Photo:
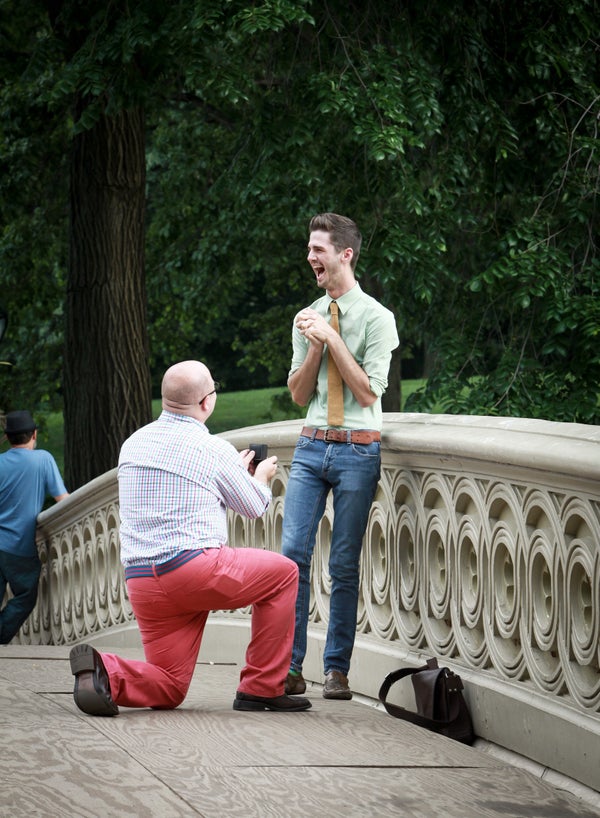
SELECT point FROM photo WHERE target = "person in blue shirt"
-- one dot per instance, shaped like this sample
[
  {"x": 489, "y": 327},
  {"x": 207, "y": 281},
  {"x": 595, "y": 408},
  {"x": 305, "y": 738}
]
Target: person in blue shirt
[{"x": 27, "y": 477}]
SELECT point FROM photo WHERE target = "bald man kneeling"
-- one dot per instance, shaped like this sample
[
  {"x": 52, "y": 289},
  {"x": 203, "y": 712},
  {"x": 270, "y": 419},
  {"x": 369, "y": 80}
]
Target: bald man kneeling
[{"x": 176, "y": 482}]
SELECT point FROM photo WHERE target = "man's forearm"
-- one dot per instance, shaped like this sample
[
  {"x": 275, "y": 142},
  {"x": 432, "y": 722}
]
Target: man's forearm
[{"x": 302, "y": 383}]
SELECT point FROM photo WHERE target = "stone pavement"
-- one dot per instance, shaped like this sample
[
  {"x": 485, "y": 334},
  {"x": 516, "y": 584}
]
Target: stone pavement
[{"x": 205, "y": 759}]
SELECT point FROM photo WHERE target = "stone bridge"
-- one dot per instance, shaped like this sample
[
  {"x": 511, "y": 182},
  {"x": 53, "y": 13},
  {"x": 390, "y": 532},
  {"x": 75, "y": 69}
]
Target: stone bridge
[{"x": 482, "y": 549}]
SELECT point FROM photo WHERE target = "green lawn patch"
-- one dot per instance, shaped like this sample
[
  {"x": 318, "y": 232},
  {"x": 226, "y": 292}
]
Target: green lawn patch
[{"x": 233, "y": 410}]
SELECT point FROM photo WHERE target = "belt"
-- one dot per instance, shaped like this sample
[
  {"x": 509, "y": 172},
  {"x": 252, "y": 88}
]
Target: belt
[
  {"x": 342, "y": 435},
  {"x": 151, "y": 569}
]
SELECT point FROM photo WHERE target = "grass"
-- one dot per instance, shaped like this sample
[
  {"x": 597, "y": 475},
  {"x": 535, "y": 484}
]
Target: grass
[{"x": 233, "y": 410}]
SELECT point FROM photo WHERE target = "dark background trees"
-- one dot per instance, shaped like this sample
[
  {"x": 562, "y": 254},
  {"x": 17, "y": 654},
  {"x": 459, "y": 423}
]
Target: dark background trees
[{"x": 460, "y": 136}]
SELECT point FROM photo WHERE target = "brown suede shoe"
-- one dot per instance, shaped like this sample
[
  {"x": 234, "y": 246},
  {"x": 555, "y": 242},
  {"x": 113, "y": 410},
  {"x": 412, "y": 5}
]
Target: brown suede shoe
[
  {"x": 295, "y": 684},
  {"x": 336, "y": 686}
]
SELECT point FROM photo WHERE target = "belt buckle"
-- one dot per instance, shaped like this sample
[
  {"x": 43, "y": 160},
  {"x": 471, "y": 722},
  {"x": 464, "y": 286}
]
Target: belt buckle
[{"x": 338, "y": 436}]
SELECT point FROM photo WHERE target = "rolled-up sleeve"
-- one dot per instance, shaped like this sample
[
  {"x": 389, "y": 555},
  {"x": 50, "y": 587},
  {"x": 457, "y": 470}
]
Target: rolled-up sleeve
[{"x": 381, "y": 339}]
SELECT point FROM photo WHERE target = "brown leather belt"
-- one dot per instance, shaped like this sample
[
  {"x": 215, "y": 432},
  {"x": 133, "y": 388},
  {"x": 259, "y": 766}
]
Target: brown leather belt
[{"x": 342, "y": 435}]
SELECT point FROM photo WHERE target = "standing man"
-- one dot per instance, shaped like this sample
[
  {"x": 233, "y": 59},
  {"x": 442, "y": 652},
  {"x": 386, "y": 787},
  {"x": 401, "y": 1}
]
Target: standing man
[
  {"x": 176, "y": 482},
  {"x": 340, "y": 374},
  {"x": 27, "y": 477}
]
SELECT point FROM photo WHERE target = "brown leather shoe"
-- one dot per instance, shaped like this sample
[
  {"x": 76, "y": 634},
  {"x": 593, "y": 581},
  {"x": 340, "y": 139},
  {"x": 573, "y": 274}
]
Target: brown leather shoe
[
  {"x": 280, "y": 704},
  {"x": 92, "y": 685},
  {"x": 295, "y": 684},
  {"x": 336, "y": 686}
]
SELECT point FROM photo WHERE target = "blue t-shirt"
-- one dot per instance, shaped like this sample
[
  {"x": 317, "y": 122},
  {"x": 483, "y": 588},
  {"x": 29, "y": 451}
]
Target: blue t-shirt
[{"x": 27, "y": 476}]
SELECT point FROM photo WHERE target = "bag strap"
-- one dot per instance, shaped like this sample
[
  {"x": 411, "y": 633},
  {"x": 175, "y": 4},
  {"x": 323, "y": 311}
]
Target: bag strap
[
  {"x": 396, "y": 675},
  {"x": 409, "y": 715}
]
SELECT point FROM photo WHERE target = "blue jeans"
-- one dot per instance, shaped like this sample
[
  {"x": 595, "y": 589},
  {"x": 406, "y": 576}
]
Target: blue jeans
[
  {"x": 22, "y": 575},
  {"x": 352, "y": 472}
]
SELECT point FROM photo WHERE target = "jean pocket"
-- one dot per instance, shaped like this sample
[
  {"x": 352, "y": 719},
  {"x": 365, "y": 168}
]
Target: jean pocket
[
  {"x": 303, "y": 442},
  {"x": 371, "y": 450}
]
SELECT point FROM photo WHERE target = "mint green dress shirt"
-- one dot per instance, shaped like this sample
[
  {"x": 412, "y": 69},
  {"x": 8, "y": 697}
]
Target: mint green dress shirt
[{"x": 369, "y": 331}]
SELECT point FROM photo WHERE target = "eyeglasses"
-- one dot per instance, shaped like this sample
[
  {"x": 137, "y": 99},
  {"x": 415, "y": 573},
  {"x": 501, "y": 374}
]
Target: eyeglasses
[{"x": 214, "y": 391}]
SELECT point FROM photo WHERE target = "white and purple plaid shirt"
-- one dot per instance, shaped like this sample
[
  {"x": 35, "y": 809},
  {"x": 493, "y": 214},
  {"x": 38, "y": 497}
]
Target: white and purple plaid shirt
[{"x": 176, "y": 482}]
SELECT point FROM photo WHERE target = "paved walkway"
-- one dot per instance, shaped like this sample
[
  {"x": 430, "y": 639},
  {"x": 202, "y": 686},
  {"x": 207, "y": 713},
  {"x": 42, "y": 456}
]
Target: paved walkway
[{"x": 205, "y": 759}]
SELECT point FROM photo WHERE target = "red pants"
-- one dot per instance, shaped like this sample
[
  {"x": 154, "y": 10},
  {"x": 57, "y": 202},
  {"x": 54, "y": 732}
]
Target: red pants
[{"x": 172, "y": 609}]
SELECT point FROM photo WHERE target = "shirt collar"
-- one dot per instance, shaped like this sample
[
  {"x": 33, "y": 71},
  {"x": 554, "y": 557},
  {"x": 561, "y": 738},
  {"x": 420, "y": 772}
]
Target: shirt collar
[
  {"x": 174, "y": 417},
  {"x": 345, "y": 301}
]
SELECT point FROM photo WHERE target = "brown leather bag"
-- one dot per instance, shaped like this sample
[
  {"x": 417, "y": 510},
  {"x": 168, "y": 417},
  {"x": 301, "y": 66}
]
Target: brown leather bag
[{"x": 440, "y": 703}]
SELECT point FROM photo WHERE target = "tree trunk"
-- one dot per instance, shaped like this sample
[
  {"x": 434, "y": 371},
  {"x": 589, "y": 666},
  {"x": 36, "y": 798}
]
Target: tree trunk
[{"x": 106, "y": 367}]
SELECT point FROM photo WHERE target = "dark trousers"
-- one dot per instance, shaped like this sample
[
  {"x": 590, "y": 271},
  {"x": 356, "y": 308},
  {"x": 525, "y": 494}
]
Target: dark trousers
[{"x": 22, "y": 575}]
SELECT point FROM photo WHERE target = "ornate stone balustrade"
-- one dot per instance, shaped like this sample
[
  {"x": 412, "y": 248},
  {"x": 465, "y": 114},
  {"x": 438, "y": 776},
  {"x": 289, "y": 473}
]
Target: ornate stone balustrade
[
  {"x": 483, "y": 549},
  {"x": 82, "y": 587}
]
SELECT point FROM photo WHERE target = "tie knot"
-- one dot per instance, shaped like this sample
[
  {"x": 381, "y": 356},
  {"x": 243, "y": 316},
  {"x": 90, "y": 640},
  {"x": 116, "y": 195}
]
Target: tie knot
[{"x": 333, "y": 308}]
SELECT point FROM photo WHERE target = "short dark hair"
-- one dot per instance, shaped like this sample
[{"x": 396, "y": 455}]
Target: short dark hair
[
  {"x": 342, "y": 231},
  {"x": 19, "y": 438}
]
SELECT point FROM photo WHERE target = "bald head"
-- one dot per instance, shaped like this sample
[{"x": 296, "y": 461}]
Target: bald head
[{"x": 184, "y": 385}]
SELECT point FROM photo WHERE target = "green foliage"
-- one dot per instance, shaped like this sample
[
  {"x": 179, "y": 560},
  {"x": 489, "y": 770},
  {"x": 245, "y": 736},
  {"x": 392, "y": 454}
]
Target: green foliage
[
  {"x": 462, "y": 139},
  {"x": 33, "y": 185},
  {"x": 514, "y": 332},
  {"x": 271, "y": 15}
]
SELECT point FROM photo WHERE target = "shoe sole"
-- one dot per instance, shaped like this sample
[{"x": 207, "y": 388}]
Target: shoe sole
[
  {"x": 81, "y": 659},
  {"x": 243, "y": 704},
  {"x": 345, "y": 695},
  {"x": 85, "y": 694}
]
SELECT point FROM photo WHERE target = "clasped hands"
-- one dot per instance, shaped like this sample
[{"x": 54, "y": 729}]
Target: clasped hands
[{"x": 313, "y": 326}]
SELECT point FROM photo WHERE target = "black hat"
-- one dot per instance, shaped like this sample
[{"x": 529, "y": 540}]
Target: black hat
[{"x": 19, "y": 422}]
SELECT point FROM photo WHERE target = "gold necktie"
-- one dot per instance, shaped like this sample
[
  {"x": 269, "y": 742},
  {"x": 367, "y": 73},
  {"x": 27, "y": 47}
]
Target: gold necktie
[{"x": 335, "y": 385}]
